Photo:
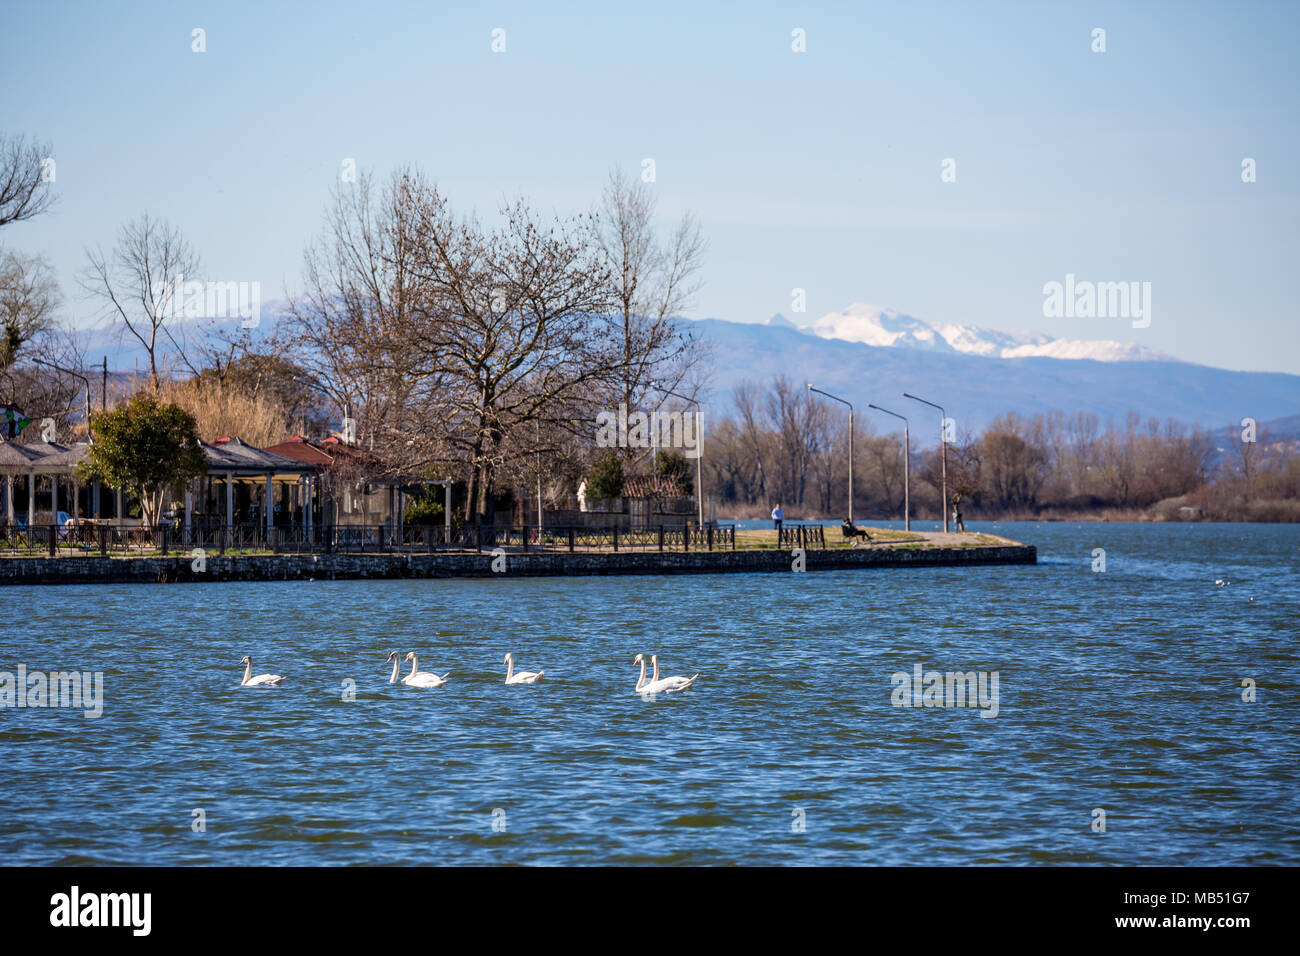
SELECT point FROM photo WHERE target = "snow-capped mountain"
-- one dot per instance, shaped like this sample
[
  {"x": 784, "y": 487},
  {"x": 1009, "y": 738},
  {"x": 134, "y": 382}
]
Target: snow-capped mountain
[
  {"x": 878, "y": 354},
  {"x": 873, "y": 325},
  {"x": 979, "y": 374}
]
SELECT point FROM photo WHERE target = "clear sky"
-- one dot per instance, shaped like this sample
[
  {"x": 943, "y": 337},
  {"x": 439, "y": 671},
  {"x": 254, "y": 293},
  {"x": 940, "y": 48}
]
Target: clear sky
[{"x": 817, "y": 170}]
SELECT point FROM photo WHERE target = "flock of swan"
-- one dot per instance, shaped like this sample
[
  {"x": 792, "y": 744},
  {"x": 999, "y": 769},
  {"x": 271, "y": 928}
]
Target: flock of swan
[
  {"x": 428, "y": 679},
  {"x": 417, "y": 677}
]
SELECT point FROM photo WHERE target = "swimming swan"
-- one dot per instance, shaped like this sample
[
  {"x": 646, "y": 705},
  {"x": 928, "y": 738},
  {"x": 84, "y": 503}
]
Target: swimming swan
[
  {"x": 261, "y": 680},
  {"x": 665, "y": 686},
  {"x": 419, "y": 678},
  {"x": 523, "y": 677}
]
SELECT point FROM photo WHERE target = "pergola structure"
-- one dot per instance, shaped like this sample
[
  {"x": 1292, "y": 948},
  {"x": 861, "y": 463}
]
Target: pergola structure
[
  {"x": 35, "y": 460},
  {"x": 348, "y": 465},
  {"x": 233, "y": 462},
  {"x": 230, "y": 462}
]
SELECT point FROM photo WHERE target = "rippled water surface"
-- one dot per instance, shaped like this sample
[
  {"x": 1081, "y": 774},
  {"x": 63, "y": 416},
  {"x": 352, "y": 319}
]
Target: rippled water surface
[{"x": 1119, "y": 690}]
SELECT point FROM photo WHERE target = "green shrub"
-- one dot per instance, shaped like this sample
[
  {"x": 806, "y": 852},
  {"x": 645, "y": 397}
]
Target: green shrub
[
  {"x": 424, "y": 511},
  {"x": 606, "y": 477}
]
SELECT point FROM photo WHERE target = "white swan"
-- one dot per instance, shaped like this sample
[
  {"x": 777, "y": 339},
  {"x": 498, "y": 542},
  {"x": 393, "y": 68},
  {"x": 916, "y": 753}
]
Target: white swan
[
  {"x": 523, "y": 677},
  {"x": 665, "y": 686},
  {"x": 640, "y": 681},
  {"x": 392, "y": 656},
  {"x": 419, "y": 678},
  {"x": 261, "y": 680}
]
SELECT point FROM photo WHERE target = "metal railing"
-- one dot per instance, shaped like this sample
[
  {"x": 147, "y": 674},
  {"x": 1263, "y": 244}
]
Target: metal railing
[
  {"x": 165, "y": 539},
  {"x": 590, "y": 538},
  {"x": 801, "y": 536}
]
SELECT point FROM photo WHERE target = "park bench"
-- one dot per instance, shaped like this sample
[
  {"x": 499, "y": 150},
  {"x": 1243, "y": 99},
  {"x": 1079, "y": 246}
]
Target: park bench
[{"x": 853, "y": 531}]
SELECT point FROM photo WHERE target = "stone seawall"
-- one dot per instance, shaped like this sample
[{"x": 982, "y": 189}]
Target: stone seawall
[{"x": 301, "y": 567}]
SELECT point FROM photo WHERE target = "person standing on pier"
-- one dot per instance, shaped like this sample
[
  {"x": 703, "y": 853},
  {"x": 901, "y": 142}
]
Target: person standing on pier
[{"x": 777, "y": 516}]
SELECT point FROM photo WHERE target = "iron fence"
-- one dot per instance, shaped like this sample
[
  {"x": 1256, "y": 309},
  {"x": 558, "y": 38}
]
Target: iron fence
[
  {"x": 801, "y": 536},
  {"x": 102, "y": 538}
]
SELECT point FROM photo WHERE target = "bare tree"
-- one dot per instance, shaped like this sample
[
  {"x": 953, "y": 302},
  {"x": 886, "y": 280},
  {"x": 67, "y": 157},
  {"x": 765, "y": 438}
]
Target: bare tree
[
  {"x": 1250, "y": 456},
  {"x": 48, "y": 390},
  {"x": 512, "y": 316},
  {"x": 140, "y": 282},
  {"x": 799, "y": 422},
  {"x": 884, "y": 472},
  {"x": 24, "y": 189},
  {"x": 354, "y": 330},
  {"x": 748, "y": 398},
  {"x": 29, "y": 296},
  {"x": 652, "y": 281}
]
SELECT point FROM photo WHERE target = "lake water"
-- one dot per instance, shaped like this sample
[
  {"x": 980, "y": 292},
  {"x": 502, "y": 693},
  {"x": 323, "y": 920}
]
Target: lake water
[{"x": 1118, "y": 690}]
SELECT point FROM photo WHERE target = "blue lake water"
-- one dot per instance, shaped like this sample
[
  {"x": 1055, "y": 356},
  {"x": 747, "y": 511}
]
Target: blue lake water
[{"x": 1118, "y": 690}]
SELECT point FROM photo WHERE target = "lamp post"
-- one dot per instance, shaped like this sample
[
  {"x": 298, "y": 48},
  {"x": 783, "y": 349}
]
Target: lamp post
[
  {"x": 943, "y": 445},
  {"x": 907, "y": 467},
  {"x": 843, "y": 402},
  {"x": 699, "y": 441}
]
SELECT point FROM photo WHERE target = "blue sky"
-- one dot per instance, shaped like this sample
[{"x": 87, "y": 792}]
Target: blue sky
[{"x": 818, "y": 170}]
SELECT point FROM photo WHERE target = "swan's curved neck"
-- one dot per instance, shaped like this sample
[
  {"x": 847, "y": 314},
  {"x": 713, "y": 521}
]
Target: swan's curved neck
[
  {"x": 248, "y": 670},
  {"x": 641, "y": 679},
  {"x": 415, "y": 665},
  {"x": 510, "y": 667},
  {"x": 396, "y": 664},
  {"x": 655, "y": 661}
]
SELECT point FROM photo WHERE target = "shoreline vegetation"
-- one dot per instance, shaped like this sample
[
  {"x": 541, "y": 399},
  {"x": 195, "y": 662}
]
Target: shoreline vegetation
[
  {"x": 1276, "y": 512},
  {"x": 782, "y": 445}
]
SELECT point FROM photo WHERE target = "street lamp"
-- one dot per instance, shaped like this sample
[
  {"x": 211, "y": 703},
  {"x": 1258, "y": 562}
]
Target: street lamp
[
  {"x": 699, "y": 441},
  {"x": 943, "y": 445},
  {"x": 907, "y": 467},
  {"x": 843, "y": 402}
]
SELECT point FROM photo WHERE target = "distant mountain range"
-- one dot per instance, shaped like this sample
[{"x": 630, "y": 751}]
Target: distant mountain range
[
  {"x": 872, "y": 325},
  {"x": 867, "y": 354}
]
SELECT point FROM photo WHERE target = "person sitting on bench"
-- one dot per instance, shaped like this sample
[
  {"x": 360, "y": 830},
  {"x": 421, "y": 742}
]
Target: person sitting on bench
[{"x": 852, "y": 531}]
